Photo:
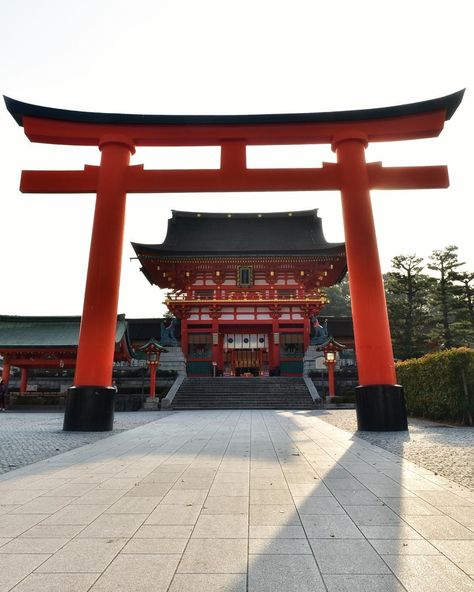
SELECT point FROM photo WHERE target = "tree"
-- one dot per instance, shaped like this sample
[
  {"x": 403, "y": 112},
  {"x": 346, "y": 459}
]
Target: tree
[
  {"x": 407, "y": 289},
  {"x": 445, "y": 300},
  {"x": 466, "y": 294},
  {"x": 339, "y": 300}
]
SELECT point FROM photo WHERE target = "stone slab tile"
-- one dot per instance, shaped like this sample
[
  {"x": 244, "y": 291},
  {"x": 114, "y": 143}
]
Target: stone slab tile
[
  {"x": 16, "y": 567},
  {"x": 359, "y": 497},
  {"x": 226, "y": 505},
  {"x": 279, "y": 546},
  {"x": 424, "y": 574},
  {"x": 460, "y": 514},
  {"x": 234, "y": 489},
  {"x": 44, "y": 505},
  {"x": 266, "y": 515},
  {"x": 114, "y": 526},
  {"x": 83, "y": 556},
  {"x": 12, "y": 525},
  {"x": 223, "y": 526},
  {"x": 284, "y": 573},
  {"x": 209, "y": 583},
  {"x": 327, "y": 527},
  {"x": 275, "y": 532},
  {"x": 32, "y": 545},
  {"x": 134, "y": 505},
  {"x": 155, "y": 546},
  {"x": 361, "y": 583},
  {"x": 390, "y": 532},
  {"x": 214, "y": 556},
  {"x": 160, "y": 531},
  {"x": 373, "y": 516},
  {"x": 269, "y": 497},
  {"x": 460, "y": 552},
  {"x": 148, "y": 490},
  {"x": 403, "y": 547},
  {"x": 439, "y": 527},
  {"x": 147, "y": 573},
  {"x": 315, "y": 489},
  {"x": 62, "y": 582},
  {"x": 53, "y": 531},
  {"x": 184, "y": 496},
  {"x": 347, "y": 557},
  {"x": 410, "y": 506},
  {"x": 179, "y": 514},
  {"x": 318, "y": 505}
]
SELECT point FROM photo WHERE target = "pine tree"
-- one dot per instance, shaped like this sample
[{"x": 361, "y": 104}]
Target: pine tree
[
  {"x": 406, "y": 290},
  {"x": 445, "y": 301}
]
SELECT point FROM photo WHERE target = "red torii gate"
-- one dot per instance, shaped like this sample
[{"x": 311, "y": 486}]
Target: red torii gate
[{"x": 380, "y": 401}]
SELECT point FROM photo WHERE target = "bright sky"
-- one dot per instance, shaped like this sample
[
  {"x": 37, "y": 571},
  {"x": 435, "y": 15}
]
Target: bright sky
[{"x": 210, "y": 57}]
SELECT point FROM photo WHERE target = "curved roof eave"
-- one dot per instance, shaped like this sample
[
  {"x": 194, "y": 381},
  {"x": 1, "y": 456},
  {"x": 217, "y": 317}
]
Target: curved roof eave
[{"x": 448, "y": 103}]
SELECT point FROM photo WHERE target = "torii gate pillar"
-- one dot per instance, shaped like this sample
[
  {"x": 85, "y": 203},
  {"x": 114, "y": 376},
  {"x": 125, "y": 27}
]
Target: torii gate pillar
[{"x": 380, "y": 402}]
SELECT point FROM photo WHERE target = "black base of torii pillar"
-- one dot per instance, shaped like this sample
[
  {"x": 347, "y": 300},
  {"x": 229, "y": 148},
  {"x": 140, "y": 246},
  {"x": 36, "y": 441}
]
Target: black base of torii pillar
[{"x": 381, "y": 408}]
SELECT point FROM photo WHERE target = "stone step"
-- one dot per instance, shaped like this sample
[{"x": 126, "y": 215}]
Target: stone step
[{"x": 244, "y": 393}]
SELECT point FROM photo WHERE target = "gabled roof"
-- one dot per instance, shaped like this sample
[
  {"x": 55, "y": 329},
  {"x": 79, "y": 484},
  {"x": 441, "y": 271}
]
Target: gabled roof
[
  {"x": 210, "y": 234},
  {"x": 46, "y": 332}
]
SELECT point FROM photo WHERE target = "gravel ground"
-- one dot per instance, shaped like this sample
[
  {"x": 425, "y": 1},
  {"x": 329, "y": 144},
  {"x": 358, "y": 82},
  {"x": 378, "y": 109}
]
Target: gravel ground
[
  {"x": 444, "y": 449},
  {"x": 26, "y": 438}
]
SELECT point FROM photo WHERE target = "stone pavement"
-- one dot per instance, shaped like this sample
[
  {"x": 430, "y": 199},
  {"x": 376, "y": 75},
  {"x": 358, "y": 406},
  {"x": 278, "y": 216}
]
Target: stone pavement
[
  {"x": 447, "y": 450},
  {"x": 26, "y": 438},
  {"x": 232, "y": 501}
]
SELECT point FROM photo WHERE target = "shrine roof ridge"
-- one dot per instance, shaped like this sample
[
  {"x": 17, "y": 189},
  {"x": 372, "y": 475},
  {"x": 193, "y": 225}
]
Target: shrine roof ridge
[
  {"x": 448, "y": 103},
  {"x": 220, "y": 234},
  {"x": 245, "y": 215}
]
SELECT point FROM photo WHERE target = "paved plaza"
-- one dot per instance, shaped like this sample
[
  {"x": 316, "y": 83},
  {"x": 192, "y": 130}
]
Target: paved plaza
[{"x": 232, "y": 501}]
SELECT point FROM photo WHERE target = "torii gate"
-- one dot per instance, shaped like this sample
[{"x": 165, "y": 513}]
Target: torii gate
[{"x": 380, "y": 401}]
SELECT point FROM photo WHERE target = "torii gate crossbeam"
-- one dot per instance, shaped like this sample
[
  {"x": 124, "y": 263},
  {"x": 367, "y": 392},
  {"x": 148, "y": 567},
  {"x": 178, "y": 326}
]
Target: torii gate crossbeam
[{"x": 380, "y": 401}]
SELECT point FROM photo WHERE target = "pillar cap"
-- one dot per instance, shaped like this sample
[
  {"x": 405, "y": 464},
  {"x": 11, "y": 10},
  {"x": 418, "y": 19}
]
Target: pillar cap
[
  {"x": 117, "y": 139},
  {"x": 349, "y": 136}
]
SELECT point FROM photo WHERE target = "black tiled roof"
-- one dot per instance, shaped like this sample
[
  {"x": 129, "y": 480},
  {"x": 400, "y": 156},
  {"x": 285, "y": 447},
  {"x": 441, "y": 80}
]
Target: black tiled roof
[{"x": 205, "y": 234}]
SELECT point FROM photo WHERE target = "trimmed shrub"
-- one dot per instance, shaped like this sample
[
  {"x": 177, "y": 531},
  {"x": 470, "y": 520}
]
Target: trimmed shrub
[{"x": 440, "y": 385}]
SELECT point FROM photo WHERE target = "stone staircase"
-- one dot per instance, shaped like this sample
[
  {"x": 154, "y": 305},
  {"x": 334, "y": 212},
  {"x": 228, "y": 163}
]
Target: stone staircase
[{"x": 243, "y": 393}]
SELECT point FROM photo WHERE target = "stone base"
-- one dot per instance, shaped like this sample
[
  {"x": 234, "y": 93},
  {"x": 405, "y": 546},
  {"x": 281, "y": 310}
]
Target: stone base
[
  {"x": 173, "y": 359},
  {"x": 310, "y": 356},
  {"x": 381, "y": 408},
  {"x": 89, "y": 409}
]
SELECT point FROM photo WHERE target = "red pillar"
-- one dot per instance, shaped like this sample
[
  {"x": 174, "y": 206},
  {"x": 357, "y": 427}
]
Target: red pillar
[
  {"x": 95, "y": 353},
  {"x": 152, "y": 380},
  {"x": 215, "y": 344},
  {"x": 24, "y": 381},
  {"x": 6, "y": 371},
  {"x": 332, "y": 390},
  {"x": 184, "y": 337},
  {"x": 276, "y": 343},
  {"x": 306, "y": 332},
  {"x": 369, "y": 311}
]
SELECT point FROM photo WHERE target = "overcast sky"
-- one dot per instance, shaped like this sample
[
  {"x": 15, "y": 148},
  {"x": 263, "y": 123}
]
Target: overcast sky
[{"x": 211, "y": 57}]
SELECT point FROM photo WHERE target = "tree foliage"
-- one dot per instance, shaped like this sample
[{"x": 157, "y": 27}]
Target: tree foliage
[
  {"x": 339, "y": 300},
  {"x": 429, "y": 312}
]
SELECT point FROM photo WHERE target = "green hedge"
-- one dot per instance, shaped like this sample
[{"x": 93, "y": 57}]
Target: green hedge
[{"x": 440, "y": 385}]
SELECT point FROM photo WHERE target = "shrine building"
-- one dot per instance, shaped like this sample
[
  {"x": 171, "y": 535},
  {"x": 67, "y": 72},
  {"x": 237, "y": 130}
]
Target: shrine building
[{"x": 246, "y": 287}]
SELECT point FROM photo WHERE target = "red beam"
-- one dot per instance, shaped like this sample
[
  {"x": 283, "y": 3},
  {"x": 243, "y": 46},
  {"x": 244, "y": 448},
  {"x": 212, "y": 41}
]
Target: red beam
[
  {"x": 408, "y": 127},
  {"x": 60, "y": 181},
  {"x": 419, "y": 177},
  {"x": 140, "y": 180}
]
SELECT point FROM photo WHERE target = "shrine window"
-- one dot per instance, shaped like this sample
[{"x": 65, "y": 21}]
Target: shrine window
[
  {"x": 200, "y": 345},
  {"x": 291, "y": 344},
  {"x": 245, "y": 276}
]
